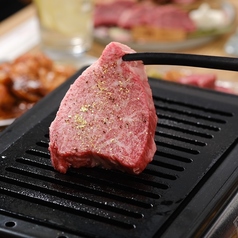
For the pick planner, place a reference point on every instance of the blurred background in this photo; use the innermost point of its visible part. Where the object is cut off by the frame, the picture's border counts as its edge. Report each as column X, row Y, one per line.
column 187, row 26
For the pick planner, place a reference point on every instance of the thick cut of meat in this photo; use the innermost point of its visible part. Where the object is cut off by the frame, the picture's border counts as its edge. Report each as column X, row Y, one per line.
column 107, row 118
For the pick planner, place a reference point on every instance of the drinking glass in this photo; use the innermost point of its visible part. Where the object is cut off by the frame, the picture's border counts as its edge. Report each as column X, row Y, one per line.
column 66, row 27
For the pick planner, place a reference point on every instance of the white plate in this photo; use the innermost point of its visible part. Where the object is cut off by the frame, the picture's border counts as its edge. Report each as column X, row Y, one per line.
column 6, row 122
column 172, row 46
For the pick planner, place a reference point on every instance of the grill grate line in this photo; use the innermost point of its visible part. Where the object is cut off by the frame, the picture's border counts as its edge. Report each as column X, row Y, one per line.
column 52, row 204
column 186, row 131
column 135, row 178
column 178, row 148
column 179, row 138
column 167, row 166
column 38, row 153
column 81, row 187
column 26, row 161
column 89, row 177
column 44, row 144
column 173, row 157
column 73, row 197
column 193, row 106
column 160, row 174
column 189, row 114
column 188, row 122
column 112, row 184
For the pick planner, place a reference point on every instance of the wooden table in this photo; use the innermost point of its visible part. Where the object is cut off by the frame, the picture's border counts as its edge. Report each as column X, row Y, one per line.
column 215, row 47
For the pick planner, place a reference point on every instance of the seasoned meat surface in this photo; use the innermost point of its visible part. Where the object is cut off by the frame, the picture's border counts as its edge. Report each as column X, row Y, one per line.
column 107, row 118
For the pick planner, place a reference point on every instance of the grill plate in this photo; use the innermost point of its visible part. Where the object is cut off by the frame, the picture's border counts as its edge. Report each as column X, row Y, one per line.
column 104, row 203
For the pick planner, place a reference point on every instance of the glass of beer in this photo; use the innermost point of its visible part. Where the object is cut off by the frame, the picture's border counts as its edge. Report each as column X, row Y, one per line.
column 66, row 27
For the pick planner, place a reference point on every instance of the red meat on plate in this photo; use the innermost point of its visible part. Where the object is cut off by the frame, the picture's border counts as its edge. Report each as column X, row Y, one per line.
column 158, row 16
column 107, row 118
column 199, row 80
column 107, row 14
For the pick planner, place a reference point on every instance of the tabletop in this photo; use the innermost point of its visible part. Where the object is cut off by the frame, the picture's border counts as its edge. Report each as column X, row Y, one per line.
column 215, row 47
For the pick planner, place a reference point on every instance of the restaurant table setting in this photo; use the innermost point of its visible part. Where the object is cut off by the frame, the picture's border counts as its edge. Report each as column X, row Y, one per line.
column 189, row 189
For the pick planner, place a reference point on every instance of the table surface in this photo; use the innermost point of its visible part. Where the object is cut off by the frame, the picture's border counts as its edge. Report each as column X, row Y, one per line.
column 215, row 47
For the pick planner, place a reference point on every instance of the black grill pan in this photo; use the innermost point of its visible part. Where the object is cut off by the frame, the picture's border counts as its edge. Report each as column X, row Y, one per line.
column 196, row 132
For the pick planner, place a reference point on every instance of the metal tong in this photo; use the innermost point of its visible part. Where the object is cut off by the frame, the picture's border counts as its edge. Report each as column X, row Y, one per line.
column 201, row 61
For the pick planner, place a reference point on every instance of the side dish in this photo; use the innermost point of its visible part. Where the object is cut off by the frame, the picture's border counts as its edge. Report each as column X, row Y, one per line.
column 26, row 80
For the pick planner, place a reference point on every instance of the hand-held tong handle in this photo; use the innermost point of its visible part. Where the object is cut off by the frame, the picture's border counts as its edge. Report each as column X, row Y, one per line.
column 202, row 61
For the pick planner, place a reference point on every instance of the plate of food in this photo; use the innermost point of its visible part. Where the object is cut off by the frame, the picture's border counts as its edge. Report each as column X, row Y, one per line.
column 162, row 25
column 25, row 81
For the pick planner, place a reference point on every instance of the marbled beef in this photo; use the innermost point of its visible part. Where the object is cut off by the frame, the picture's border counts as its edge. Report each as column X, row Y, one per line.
column 129, row 14
column 107, row 14
column 161, row 17
column 107, row 118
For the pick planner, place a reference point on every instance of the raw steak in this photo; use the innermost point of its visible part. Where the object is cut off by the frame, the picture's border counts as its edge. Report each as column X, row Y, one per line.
column 107, row 118
column 199, row 80
column 130, row 14
column 107, row 14
column 162, row 17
